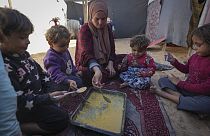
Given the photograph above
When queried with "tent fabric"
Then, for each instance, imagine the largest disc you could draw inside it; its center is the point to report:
(74, 10)
(128, 18)
(153, 15)
(174, 21)
(205, 17)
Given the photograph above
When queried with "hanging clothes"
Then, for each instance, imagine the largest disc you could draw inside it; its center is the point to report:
(174, 21)
(153, 14)
(197, 8)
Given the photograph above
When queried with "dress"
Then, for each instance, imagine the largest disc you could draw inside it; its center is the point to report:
(61, 68)
(195, 89)
(134, 66)
(8, 102)
(174, 21)
(32, 86)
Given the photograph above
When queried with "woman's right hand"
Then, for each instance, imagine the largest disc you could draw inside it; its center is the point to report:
(96, 80)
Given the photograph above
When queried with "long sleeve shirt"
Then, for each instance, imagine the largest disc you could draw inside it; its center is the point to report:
(198, 70)
(144, 61)
(59, 65)
(29, 80)
(9, 125)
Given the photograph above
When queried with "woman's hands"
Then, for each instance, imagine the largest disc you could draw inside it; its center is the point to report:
(111, 69)
(96, 80)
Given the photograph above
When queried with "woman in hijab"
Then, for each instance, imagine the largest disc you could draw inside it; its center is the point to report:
(95, 48)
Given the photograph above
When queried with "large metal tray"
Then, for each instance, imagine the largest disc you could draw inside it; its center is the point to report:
(83, 112)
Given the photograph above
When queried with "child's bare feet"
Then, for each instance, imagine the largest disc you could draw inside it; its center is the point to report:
(165, 94)
(152, 88)
(123, 85)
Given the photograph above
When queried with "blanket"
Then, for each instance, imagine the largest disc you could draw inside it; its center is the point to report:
(145, 116)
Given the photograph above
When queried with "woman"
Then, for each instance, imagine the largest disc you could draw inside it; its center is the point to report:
(95, 49)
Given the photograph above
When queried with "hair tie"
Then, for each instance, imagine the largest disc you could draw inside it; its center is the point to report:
(55, 20)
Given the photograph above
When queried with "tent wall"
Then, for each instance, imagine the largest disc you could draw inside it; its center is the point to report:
(128, 16)
(74, 10)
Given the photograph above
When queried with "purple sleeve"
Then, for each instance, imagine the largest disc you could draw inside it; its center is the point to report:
(53, 67)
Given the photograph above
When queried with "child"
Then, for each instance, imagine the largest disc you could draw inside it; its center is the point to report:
(36, 101)
(8, 97)
(139, 65)
(194, 92)
(58, 61)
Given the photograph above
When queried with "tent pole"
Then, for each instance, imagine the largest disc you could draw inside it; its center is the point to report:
(85, 10)
(10, 3)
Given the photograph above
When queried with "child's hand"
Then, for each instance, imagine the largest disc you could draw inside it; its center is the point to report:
(174, 79)
(72, 84)
(141, 74)
(119, 67)
(145, 73)
(57, 95)
(169, 57)
(79, 73)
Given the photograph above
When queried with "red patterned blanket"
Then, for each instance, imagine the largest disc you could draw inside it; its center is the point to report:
(145, 116)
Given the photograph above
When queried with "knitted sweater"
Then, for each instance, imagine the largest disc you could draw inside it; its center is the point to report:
(198, 70)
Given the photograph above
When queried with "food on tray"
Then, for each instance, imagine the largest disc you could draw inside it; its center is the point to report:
(100, 114)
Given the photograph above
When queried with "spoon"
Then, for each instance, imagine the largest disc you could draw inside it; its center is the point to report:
(80, 90)
(105, 98)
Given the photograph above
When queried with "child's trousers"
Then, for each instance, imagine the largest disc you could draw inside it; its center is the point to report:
(49, 117)
(188, 101)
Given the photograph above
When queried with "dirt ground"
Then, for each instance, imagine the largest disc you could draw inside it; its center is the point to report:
(184, 123)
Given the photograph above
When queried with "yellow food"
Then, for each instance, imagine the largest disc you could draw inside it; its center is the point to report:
(100, 114)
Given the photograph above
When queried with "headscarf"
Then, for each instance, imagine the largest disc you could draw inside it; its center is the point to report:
(101, 41)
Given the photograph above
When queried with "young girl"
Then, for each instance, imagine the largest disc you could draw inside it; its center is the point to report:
(139, 65)
(195, 90)
(58, 61)
(36, 102)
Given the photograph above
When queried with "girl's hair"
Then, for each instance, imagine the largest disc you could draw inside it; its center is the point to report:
(139, 41)
(56, 32)
(16, 22)
(203, 32)
(2, 25)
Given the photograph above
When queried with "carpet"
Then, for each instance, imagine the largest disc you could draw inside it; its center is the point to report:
(145, 116)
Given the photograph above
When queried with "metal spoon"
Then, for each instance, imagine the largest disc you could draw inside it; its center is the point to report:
(80, 90)
(105, 98)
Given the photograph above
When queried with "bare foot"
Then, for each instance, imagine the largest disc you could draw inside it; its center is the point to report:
(123, 85)
(172, 97)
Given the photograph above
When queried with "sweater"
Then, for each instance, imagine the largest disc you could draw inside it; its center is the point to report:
(198, 70)
(59, 65)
